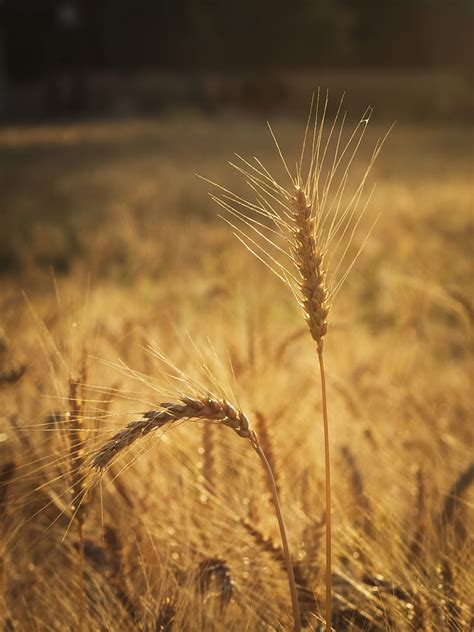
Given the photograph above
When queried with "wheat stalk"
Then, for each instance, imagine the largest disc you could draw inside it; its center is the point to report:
(302, 233)
(210, 409)
(266, 442)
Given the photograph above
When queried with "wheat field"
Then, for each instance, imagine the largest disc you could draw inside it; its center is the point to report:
(122, 290)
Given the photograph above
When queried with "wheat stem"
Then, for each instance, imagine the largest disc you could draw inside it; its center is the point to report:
(327, 471)
(309, 260)
(284, 539)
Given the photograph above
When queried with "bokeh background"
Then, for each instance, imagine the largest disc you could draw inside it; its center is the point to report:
(111, 107)
(62, 57)
(111, 248)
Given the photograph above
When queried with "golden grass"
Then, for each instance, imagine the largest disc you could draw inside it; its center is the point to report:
(167, 544)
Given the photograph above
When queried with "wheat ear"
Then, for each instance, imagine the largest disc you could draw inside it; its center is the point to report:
(212, 410)
(198, 408)
(309, 260)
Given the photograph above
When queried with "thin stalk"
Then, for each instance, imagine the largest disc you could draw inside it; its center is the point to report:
(78, 506)
(80, 570)
(284, 539)
(327, 484)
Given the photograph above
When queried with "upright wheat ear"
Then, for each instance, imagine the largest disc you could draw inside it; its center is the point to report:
(207, 409)
(301, 230)
(309, 261)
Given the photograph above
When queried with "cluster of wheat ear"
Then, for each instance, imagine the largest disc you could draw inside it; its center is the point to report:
(302, 231)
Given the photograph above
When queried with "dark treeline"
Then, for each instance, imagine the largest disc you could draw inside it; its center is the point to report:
(39, 36)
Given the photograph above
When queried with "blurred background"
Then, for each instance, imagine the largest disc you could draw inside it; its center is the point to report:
(83, 57)
(109, 243)
(107, 109)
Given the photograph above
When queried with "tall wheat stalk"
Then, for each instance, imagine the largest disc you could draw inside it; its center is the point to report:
(212, 410)
(302, 232)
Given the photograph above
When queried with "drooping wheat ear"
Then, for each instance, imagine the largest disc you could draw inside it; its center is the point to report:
(199, 408)
(213, 567)
(212, 410)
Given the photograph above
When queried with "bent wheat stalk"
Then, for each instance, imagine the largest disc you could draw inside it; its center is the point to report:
(302, 232)
(211, 410)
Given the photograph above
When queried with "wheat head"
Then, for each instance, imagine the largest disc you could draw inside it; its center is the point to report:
(198, 408)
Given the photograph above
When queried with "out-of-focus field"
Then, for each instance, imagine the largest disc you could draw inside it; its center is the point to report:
(110, 245)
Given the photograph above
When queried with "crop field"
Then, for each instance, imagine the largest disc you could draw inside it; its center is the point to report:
(125, 289)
